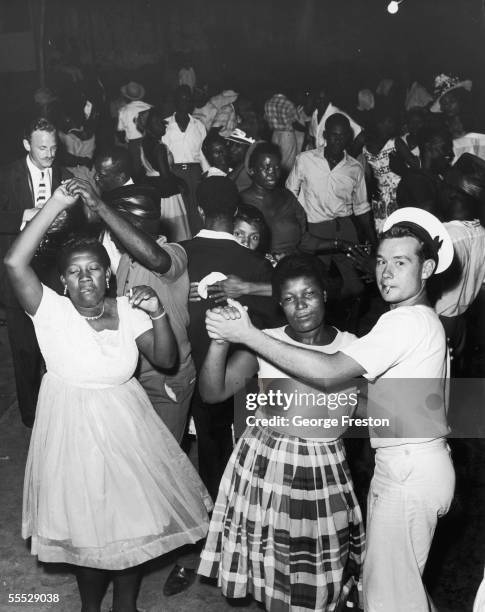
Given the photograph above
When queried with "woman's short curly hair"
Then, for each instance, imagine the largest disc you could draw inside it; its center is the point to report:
(79, 244)
(296, 266)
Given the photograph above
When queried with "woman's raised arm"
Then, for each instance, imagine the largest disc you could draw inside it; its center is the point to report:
(26, 285)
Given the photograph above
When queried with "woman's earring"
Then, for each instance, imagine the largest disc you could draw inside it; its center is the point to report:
(107, 283)
(65, 289)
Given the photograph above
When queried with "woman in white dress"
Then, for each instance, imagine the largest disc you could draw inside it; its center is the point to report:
(106, 485)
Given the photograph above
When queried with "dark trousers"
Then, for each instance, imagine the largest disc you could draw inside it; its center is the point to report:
(191, 175)
(456, 328)
(214, 439)
(134, 150)
(27, 362)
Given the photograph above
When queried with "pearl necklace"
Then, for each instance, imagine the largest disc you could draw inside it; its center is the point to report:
(96, 317)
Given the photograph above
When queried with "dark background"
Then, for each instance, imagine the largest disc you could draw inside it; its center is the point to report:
(250, 44)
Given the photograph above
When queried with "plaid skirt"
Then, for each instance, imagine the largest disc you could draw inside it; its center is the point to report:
(287, 527)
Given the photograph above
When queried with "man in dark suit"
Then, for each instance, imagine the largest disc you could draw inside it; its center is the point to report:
(25, 185)
(214, 249)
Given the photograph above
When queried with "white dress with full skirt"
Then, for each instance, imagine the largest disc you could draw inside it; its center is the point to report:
(106, 484)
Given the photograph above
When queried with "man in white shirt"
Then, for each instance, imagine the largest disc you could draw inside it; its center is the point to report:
(405, 359)
(463, 188)
(330, 185)
(324, 110)
(127, 116)
(184, 137)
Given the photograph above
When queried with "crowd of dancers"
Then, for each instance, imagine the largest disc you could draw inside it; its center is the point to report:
(160, 271)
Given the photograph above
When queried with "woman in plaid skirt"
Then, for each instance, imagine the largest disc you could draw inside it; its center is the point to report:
(287, 527)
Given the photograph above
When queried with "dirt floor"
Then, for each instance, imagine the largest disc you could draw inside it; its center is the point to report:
(453, 574)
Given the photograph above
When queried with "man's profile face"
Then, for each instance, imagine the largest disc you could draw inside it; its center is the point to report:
(42, 148)
(106, 175)
(442, 154)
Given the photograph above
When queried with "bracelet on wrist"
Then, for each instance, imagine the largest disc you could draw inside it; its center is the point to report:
(158, 316)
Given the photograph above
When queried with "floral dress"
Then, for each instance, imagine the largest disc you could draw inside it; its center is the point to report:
(387, 182)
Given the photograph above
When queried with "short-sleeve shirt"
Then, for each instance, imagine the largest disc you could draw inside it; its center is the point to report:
(280, 113)
(80, 355)
(406, 359)
(313, 408)
(127, 118)
(185, 147)
(172, 287)
(469, 245)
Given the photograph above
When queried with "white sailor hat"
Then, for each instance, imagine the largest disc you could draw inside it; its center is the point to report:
(427, 228)
(240, 137)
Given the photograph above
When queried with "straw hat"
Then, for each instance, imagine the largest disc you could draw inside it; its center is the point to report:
(133, 91)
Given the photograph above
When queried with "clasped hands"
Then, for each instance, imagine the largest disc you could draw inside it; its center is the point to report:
(230, 323)
(69, 191)
(232, 287)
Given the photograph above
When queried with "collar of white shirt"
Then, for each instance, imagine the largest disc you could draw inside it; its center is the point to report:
(206, 233)
(213, 171)
(128, 182)
(321, 152)
(171, 120)
(35, 173)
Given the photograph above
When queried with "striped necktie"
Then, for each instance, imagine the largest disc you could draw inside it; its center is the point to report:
(41, 192)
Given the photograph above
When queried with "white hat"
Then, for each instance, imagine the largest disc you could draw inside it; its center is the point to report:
(427, 228)
(239, 136)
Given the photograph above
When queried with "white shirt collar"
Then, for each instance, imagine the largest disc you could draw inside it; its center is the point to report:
(213, 171)
(128, 182)
(206, 233)
(342, 162)
(172, 119)
(36, 172)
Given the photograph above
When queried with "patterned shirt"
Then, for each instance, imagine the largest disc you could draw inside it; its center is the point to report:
(280, 113)
(226, 119)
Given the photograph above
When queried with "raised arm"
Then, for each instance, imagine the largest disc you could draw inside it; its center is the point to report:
(139, 245)
(157, 344)
(234, 325)
(221, 378)
(25, 283)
